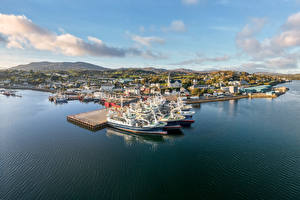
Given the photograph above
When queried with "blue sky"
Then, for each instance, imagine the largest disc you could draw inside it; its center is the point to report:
(257, 35)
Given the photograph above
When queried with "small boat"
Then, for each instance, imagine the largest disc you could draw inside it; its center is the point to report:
(59, 100)
(51, 98)
(87, 99)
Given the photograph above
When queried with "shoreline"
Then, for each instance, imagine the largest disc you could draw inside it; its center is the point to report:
(251, 96)
(27, 88)
(187, 101)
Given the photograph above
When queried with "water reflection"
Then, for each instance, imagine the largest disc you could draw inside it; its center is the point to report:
(197, 105)
(232, 108)
(229, 107)
(153, 140)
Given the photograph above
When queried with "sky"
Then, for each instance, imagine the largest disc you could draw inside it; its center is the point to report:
(253, 36)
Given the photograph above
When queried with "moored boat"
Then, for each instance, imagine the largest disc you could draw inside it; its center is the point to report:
(59, 100)
(138, 124)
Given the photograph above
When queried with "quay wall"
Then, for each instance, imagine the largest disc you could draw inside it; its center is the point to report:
(195, 101)
(262, 95)
(27, 88)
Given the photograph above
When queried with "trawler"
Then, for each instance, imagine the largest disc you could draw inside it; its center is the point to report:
(183, 110)
(176, 114)
(139, 123)
(152, 116)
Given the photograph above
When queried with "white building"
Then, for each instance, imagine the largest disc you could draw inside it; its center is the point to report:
(107, 87)
(132, 90)
(233, 89)
(174, 83)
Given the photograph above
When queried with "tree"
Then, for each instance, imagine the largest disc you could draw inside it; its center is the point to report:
(195, 92)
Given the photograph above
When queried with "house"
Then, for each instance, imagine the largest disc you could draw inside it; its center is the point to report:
(167, 92)
(107, 87)
(132, 90)
(155, 91)
(199, 87)
(225, 89)
(174, 83)
(234, 83)
(184, 91)
(233, 89)
(243, 82)
(155, 85)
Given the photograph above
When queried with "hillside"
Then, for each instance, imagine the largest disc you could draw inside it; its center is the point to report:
(58, 66)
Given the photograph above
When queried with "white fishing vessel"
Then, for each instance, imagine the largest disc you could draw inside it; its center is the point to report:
(125, 120)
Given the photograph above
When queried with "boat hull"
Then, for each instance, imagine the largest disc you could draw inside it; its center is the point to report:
(188, 117)
(172, 127)
(138, 130)
(184, 122)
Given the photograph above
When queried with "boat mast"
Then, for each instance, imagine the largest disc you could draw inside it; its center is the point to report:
(121, 101)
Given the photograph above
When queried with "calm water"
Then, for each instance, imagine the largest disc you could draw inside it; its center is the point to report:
(246, 149)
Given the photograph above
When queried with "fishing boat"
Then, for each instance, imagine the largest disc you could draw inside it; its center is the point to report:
(153, 115)
(60, 99)
(181, 110)
(173, 123)
(9, 93)
(125, 120)
(187, 114)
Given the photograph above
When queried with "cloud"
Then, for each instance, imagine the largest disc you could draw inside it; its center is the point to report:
(279, 63)
(190, 2)
(272, 52)
(154, 55)
(246, 41)
(290, 35)
(147, 41)
(175, 26)
(288, 62)
(20, 32)
(200, 59)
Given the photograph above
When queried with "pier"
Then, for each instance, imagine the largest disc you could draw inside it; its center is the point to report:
(215, 99)
(93, 120)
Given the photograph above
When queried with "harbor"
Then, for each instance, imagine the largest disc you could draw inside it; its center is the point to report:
(214, 150)
(152, 116)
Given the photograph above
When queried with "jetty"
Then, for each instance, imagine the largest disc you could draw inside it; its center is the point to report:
(93, 120)
(215, 99)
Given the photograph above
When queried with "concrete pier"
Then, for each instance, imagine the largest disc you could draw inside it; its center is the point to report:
(196, 101)
(93, 120)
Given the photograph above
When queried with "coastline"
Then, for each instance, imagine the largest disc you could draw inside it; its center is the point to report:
(27, 88)
(187, 101)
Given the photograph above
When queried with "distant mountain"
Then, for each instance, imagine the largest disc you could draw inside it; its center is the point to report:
(56, 66)
(183, 70)
(156, 70)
